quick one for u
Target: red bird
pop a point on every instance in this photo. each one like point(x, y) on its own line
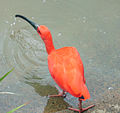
point(65, 66)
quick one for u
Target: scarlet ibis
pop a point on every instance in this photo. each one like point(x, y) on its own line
point(65, 66)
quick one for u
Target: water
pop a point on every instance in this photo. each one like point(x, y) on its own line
point(90, 26)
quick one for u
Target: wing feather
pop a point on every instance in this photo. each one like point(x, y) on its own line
point(66, 68)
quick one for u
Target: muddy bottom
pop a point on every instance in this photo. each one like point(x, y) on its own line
point(109, 102)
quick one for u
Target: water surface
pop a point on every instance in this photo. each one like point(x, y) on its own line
point(90, 26)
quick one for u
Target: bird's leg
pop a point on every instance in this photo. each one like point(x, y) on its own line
point(80, 110)
point(60, 94)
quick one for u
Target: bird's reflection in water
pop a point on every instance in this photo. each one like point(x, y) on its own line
point(54, 104)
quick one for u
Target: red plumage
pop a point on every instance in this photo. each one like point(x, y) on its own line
point(66, 68)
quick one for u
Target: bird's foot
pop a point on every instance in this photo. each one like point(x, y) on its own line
point(60, 94)
point(82, 110)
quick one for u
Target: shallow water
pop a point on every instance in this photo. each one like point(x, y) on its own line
point(90, 26)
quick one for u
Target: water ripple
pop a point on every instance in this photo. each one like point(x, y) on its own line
point(26, 53)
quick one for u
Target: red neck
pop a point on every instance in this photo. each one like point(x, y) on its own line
point(49, 44)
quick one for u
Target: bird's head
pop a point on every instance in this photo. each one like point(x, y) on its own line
point(42, 30)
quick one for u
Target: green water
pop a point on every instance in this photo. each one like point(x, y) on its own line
point(92, 26)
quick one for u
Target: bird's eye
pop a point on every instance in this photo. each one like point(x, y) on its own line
point(39, 31)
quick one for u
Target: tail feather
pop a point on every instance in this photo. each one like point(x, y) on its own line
point(84, 93)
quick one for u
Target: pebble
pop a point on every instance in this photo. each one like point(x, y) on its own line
point(110, 88)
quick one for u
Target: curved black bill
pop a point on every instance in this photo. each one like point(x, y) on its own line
point(29, 21)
